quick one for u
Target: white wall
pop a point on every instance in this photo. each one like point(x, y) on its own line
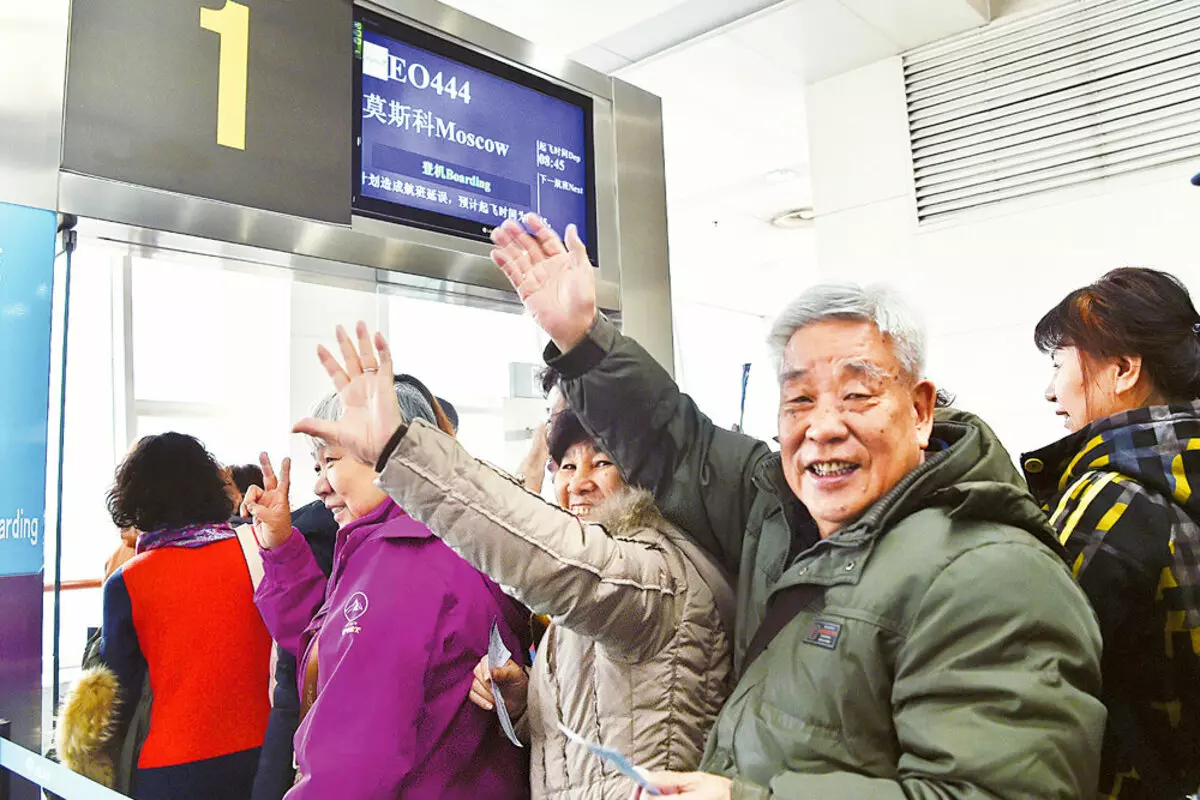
point(316, 310)
point(463, 354)
point(711, 345)
point(981, 281)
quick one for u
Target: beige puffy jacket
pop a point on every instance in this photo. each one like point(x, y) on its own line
point(637, 658)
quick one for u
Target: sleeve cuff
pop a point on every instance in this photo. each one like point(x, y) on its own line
point(291, 550)
point(390, 447)
point(581, 358)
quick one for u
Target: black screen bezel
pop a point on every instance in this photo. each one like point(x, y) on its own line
point(445, 223)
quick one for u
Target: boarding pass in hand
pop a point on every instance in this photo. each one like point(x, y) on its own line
point(614, 757)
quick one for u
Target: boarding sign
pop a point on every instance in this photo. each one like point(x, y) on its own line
point(27, 238)
point(443, 132)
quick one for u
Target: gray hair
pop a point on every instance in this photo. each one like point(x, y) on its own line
point(412, 404)
point(877, 304)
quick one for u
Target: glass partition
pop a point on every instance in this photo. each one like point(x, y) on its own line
point(224, 349)
point(469, 356)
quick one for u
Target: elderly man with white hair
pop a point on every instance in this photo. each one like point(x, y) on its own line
point(906, 627)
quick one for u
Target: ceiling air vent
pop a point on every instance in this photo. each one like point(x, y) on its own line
point(1084, 91)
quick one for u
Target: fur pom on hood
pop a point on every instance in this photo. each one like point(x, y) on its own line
point(629, 511)
point(87, 724)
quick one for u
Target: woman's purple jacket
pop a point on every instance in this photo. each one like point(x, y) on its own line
point(398, 628)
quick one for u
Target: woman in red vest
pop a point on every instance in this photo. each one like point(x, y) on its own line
point(181, 613)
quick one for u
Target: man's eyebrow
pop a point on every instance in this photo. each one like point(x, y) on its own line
point(859, 366)
point(866, 369)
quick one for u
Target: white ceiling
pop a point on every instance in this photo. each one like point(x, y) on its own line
point(732, 113)
point(732, 76)
point(565, 25)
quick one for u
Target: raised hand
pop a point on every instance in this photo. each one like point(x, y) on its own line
point(556, 283)
point(533, 468)
point(268, 506)
point(370, 411)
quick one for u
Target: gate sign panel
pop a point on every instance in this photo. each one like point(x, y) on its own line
point(245, 102)
point(26, 295)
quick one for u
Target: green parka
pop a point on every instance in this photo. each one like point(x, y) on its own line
point(942, 650)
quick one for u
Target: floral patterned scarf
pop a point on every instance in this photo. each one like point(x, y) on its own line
point(191, 536)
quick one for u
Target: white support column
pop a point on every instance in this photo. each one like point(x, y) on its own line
point(124, 401)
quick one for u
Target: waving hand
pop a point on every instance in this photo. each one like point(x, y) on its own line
point(370, 411)
point(556, 282)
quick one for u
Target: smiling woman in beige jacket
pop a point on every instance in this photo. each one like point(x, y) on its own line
point(637, 658)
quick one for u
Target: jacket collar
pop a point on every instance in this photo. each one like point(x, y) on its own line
point(1155, 445)
point(376, 521)
point(1045, 468)
point(628, 511)
point(389, 521)
point(769, 478)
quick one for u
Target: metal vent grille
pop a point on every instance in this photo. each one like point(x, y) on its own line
point(1081, 92)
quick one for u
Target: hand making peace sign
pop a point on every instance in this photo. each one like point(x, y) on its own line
point(269, 506)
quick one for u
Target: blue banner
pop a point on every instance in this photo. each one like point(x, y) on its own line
point(742, 407)
point(27, 242)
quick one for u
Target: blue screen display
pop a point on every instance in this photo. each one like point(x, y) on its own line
point(444, 137)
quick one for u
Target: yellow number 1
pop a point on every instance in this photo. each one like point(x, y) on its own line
point(232, 24)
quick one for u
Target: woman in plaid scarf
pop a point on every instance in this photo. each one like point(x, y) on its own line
point(1126, 354)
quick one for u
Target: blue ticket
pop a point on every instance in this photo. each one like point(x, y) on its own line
point(614, 757)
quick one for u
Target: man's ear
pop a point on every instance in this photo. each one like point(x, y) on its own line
point(924, 395)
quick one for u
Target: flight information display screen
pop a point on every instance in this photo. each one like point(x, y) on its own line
point(450, 140)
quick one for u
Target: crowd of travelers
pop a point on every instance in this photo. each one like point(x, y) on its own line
point(884, 605)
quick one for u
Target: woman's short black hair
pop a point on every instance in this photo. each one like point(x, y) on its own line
point(168, 481)
point(1132, 311)
point(450, 411)
point(566, 431)
point(246, 475)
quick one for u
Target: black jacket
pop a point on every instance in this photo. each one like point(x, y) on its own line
point(275, 771)
point(1120, 496)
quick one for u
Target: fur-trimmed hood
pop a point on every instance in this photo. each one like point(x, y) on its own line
point(87, 724)
point(628, 511)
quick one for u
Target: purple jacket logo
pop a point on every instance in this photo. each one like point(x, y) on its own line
point(355, 607)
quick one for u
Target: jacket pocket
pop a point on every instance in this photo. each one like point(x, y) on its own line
point(771, 740)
